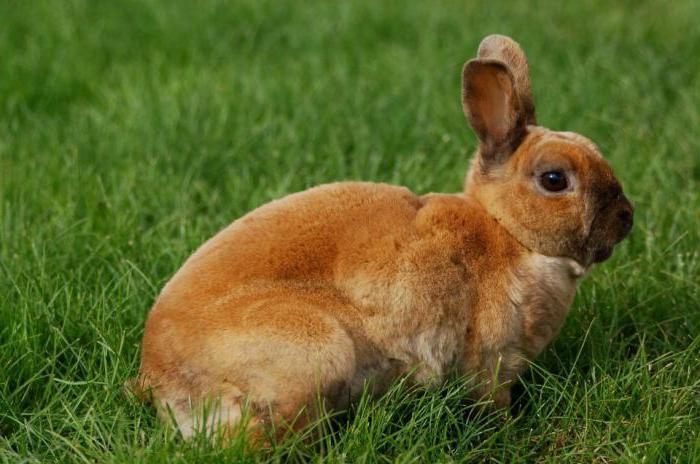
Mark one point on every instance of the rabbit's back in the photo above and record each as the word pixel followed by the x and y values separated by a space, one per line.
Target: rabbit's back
pixel 300 238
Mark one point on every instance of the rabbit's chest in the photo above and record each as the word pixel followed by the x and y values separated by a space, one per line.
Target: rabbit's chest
pixel 546 288
pixel 519 315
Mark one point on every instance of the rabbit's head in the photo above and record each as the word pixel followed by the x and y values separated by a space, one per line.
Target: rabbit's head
pixel 552 191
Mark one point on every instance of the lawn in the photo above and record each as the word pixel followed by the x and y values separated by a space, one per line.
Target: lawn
pixel 132 131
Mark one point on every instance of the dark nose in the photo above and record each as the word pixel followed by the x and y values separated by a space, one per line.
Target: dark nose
pixel 626 216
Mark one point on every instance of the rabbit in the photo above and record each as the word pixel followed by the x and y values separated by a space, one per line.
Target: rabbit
pixel 322 293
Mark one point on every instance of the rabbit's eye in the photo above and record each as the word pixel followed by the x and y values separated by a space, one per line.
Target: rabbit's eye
pixel 554 181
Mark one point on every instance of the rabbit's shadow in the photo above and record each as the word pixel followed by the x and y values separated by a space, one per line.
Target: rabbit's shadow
pixel 466 413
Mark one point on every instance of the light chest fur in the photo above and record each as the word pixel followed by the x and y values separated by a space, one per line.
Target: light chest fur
pixel 512 328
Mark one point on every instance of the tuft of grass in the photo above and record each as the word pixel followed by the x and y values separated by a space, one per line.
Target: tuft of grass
pixel 132 131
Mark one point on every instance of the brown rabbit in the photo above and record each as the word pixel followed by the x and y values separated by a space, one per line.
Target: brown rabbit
pixel 324 290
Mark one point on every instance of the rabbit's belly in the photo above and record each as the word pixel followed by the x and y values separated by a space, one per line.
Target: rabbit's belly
pixel 425 358
pixel 419 337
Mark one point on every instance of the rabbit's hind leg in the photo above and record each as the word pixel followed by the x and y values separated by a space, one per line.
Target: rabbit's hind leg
pixel 282 359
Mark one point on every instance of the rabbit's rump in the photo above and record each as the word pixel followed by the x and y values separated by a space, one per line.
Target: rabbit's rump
pixel 259 320
pixel 284 353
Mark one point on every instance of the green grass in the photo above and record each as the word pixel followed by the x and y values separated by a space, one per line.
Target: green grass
pixel 132 131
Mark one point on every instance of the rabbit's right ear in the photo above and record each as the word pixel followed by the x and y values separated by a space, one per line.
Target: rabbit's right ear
pixel 497 98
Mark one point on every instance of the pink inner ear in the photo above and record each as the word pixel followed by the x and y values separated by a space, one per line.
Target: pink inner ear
pixel 492 93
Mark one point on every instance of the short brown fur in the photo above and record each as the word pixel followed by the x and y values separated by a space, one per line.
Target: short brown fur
pixel 324 290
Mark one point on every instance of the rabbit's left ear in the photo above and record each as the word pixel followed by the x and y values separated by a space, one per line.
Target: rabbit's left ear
pixel 497 97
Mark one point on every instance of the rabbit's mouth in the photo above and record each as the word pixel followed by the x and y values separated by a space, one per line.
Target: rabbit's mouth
pixel 610 226
pixel 602 254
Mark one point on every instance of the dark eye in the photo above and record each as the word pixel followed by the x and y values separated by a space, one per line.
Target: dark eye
pixel 554 181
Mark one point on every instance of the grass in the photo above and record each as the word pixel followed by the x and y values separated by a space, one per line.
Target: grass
pixel 132 131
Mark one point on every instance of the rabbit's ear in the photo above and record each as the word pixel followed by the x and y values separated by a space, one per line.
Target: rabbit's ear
pixel 507 50
pixel 497 98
